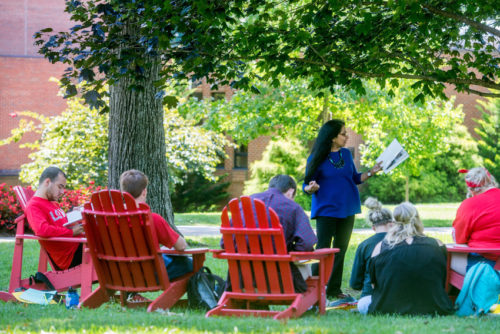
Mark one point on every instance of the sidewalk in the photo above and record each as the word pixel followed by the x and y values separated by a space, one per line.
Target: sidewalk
pixel 213 231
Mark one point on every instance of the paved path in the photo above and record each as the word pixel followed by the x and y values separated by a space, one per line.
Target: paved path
pixel 213 231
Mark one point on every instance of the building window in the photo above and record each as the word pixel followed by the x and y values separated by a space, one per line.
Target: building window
pixel 197 95
pixel 241 157
pixel 222 159
pixel 218 95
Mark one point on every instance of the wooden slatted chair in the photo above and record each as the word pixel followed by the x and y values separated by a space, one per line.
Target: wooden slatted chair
pixel 126 254
pixel 457 280
pixel 80 276
pixel 259 265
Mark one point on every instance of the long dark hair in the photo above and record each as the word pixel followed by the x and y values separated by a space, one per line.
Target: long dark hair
pixel 322 146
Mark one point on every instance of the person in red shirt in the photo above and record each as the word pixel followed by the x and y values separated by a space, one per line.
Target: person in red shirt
pixel 477 222
pixel 46 219
pixel 135 183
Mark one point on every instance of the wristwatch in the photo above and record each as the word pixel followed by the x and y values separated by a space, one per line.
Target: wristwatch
pixel 369 174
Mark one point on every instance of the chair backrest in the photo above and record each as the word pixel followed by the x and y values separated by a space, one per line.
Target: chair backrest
pixel 255 245
pixel 123 244
pixel 23 195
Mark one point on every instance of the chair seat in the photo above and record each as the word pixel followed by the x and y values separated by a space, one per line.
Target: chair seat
pixel 456 279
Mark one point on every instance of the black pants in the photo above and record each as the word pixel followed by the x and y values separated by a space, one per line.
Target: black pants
pixel 339 231
pixel 77 257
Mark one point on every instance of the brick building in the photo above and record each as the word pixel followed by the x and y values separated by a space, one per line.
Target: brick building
pixel 25 85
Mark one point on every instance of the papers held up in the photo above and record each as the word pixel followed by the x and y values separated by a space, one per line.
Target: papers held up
pixel 393 156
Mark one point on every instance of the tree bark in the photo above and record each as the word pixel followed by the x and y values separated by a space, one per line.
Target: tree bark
pixel 137 138
pixel 407 189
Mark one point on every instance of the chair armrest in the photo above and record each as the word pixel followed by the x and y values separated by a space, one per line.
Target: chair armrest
pixel 186 251
pixel 217 252
pixel 63 239
pixel 459 248
pixel 317 254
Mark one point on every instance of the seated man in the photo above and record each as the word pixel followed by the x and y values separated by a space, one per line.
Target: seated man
pixel 135 183
pixel 299 236
pixel 46 219
pixel 477 222
pixel 381 220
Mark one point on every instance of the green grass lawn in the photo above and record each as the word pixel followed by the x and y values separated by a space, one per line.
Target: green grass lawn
pixel 111 318
pixel 433 215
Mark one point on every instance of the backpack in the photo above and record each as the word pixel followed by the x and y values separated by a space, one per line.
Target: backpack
pixel 205 289
pixel 481 289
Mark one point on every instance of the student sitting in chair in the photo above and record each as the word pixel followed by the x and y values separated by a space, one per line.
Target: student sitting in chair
pixel 47 220
pixel 381 220
pixel 477 222
pixel 299 235
pixel 135 183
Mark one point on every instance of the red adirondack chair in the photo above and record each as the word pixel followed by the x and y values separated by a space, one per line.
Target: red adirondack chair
pixel 457 280
pixel 126 254
pixel 80 276
pixel 259 265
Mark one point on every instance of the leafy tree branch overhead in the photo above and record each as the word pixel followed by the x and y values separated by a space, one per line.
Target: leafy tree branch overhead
pixel 335 42
pixel 341 42
pixel 116 39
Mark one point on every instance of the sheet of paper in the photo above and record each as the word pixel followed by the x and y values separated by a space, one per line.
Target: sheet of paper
pixel 393 156
pixel 37 296
pixel 73 217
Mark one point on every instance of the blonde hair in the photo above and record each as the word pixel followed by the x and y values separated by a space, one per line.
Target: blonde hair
pixel 407 224
pixel 377 215
pixel 481 177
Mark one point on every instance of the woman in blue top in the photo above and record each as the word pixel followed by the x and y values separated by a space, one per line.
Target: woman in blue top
pixel 332 179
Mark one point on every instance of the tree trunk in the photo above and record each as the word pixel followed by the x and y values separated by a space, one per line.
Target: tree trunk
pixel 407 189
pixel 137 139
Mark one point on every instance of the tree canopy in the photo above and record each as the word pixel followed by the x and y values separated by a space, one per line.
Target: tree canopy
pixel 340 42
pixel 332 42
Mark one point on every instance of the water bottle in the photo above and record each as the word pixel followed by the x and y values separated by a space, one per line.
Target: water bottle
pixel 72 298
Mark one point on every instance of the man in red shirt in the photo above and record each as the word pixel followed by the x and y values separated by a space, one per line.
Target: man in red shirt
pixel 135 183
pixel 46 219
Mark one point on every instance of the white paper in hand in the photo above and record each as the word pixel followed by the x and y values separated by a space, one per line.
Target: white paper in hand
pixel 393 156
pixel 73 217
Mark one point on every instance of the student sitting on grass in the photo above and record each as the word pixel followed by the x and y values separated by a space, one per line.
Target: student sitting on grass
pixel 381 220
pixel 407 270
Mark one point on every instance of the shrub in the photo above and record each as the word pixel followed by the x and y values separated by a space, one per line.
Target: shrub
pixel 280 157
pixel 9 207
pixel 197 194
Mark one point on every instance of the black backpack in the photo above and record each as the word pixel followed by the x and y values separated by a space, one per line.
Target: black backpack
pixel 205 289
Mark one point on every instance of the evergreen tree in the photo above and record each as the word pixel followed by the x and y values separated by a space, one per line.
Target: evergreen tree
pixel 489 132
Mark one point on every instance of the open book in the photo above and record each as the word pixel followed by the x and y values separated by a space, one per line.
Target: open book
pixel 74 217
pixel 393 156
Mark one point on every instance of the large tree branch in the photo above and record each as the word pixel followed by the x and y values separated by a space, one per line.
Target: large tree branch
pixel 456 81
pixel 463 19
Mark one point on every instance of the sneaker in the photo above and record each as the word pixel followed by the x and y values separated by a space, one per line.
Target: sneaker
pixel 135 298
pixel 343 302
pixel 344 296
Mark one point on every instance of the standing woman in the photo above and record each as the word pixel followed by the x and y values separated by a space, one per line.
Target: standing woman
pixel 332 179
